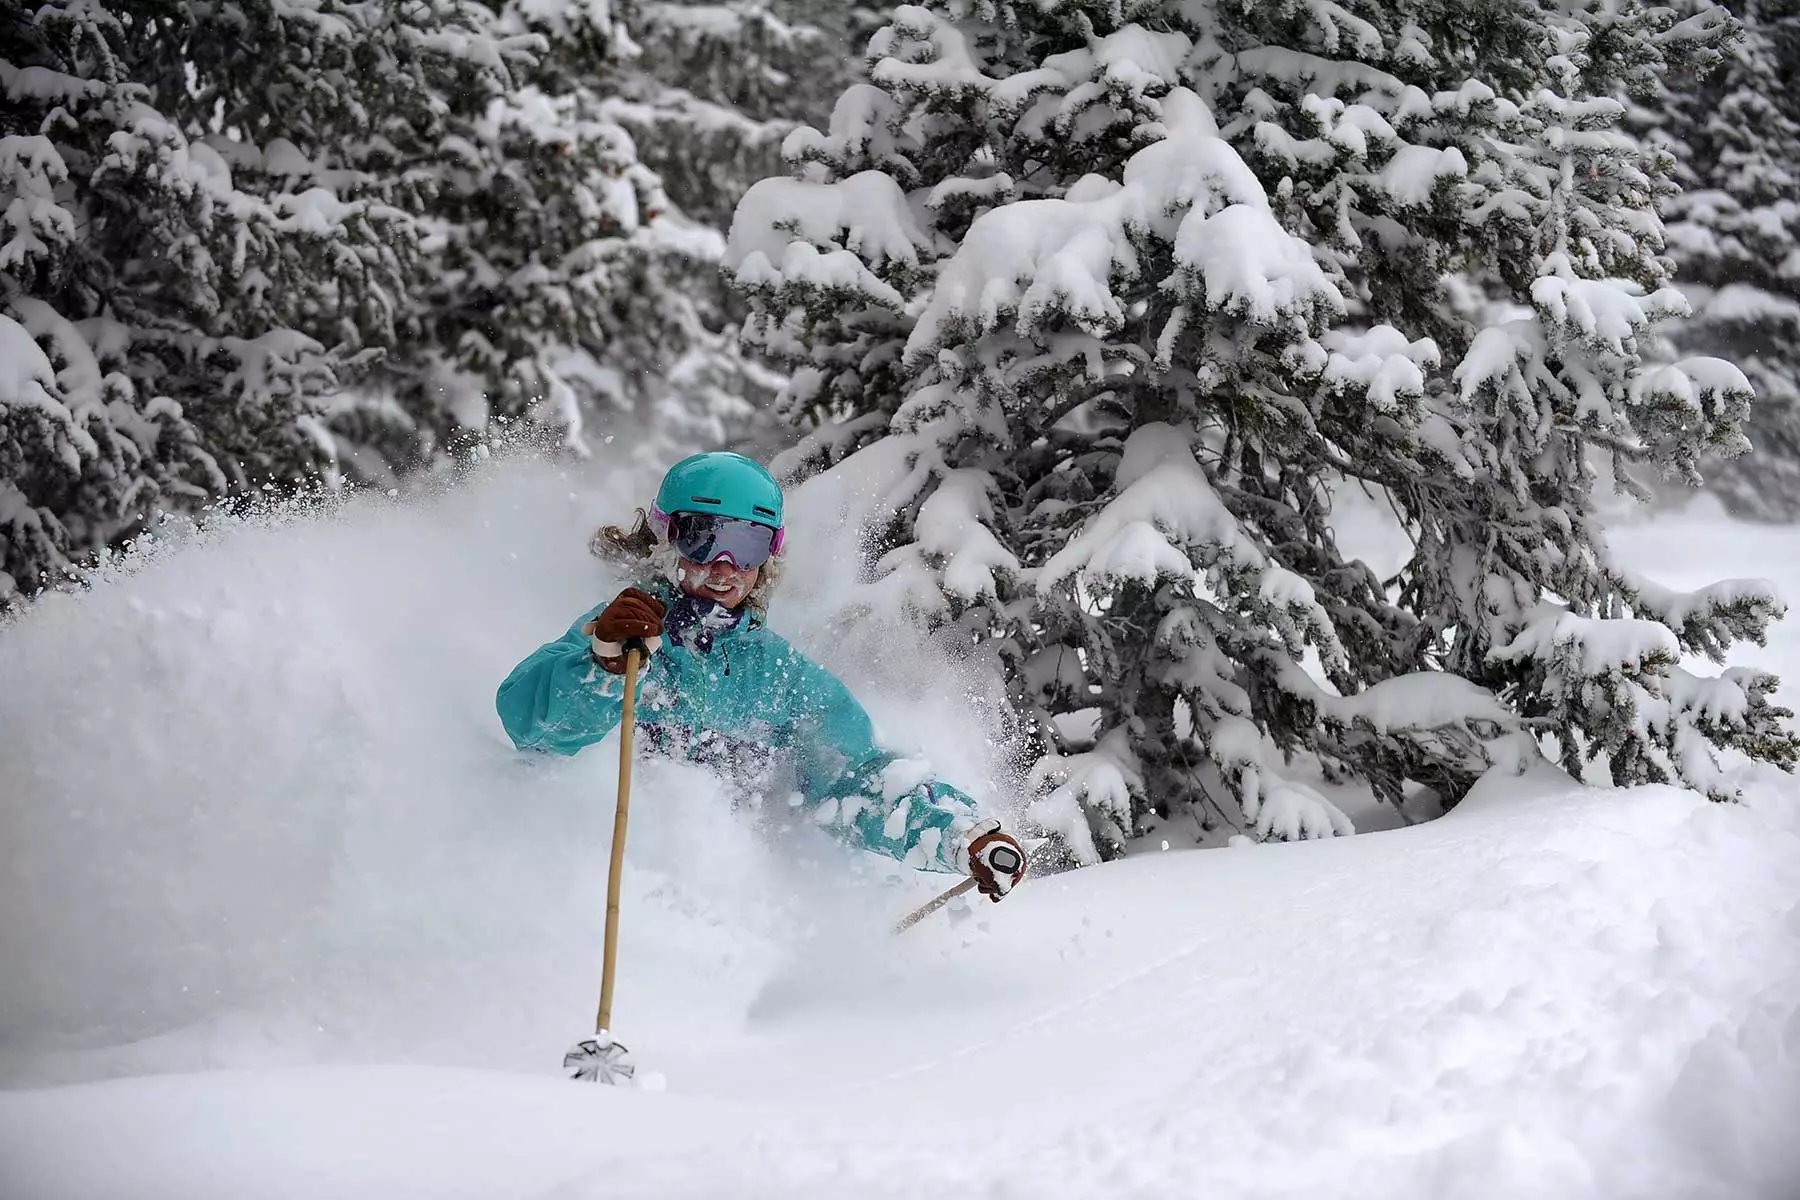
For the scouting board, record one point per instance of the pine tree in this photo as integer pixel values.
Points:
(708, 92)
(548, 292)
(712, 91)
(296, 244)
(187, 306)
(1734, 233)
(1123, 294)
(568, 287)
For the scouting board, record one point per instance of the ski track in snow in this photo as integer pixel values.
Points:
(281, 915)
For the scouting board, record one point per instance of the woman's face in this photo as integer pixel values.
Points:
(718, 580)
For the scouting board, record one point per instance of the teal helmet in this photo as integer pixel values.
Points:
(720, 482)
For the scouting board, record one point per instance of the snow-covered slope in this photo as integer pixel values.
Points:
(281, 915)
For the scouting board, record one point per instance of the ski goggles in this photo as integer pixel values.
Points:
(707, 537)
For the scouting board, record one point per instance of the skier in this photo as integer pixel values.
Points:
(719, 688)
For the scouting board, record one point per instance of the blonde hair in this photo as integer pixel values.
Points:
(613, 544)
(639, 547)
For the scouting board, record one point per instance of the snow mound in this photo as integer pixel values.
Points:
(264, 852)
(1550, 992)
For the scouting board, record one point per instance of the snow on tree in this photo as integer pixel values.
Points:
(548, 296)
(708, 91)
(279, 245)
(573, 284)
(713, 90)
(1734, 233)
(555, 287)
(189, 299)
(1127, 291)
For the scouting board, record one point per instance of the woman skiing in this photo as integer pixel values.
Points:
(719, 688)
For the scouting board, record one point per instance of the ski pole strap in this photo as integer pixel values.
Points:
(644, 646)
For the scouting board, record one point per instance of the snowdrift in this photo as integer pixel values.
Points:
(282, 915)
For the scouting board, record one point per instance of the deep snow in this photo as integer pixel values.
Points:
(281, 914)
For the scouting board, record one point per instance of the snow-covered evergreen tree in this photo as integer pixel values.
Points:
(1127, 291)
(188, 297)
(708, 92)
(572, 284)
(261, 244)
(548, 295)
(1734, 233)
(554, 285)
(713, 91)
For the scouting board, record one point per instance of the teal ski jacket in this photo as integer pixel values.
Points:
(751, 701)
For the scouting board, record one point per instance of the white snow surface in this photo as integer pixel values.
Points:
(282, 915)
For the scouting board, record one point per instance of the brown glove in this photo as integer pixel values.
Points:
(996, 860)
(632, 614)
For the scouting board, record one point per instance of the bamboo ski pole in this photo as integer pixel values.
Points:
(600, 1058)
(931, 906)
(627, 731)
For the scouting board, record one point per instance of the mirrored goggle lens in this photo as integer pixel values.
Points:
(703, 538)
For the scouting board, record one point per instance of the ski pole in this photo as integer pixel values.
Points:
(1005, 859)
(600, 1058)
(930, 906)
(627, 732)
